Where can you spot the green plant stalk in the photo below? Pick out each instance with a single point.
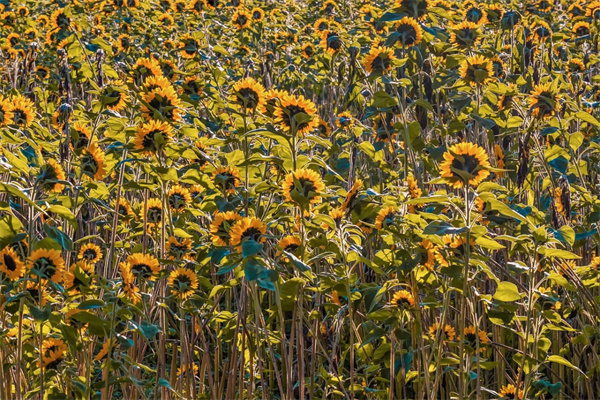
(465, 296)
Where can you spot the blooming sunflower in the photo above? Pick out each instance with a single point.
(351, 196)
(576, 10)
(90, 253)
(189, 46)
(78, 276)
(465, 34)
(290, 244)
(11, 265)
(151, 137)
(410, 32)
(227, 178)
(60, 19)
(179, 249)
(510, 392)
(165, 20)
(323, 128)
(448, 331)
(124, 209)
(465, 163)
(308, 50)
(183, 283)
(241, 19)
(123, 43)
(475, 14)
(153, 213)
(331, 42)
(47, 264)
(6, 114)
(379, 60)
(221, 225)
(541, 31)
(272, 99)
(53, 352)
(38, 291)
(11, 43)
(193, 86)
(593, 10)
(145, 266)
(403, 299)
(290, 107)
(417, 9)
(163, 101)
(471, 336)
(131, 291)
(257, 14)
(581, 29)
(303, 186)
(543, 101)
(22, 110)
(248, 94)
(50, 174)
(93, 162)
(344, 120)
(179, 198)
(142, 69)
(114, 96)
(476, 70)
(247, 228)
(385, 216)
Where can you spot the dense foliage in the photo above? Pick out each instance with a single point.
(299, 199)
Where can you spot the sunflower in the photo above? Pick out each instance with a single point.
(510, 392)
(379, 60)
(575, 66)
(152, 137)
(196, 6)
(351, 196)
(417, 9)
(53, 352)
(47, 264)
(403, 299)
(153, 213)
(272, 99)
(322, 24)
(50, 174)
(471, 336)
(448, 331)
(257, 14)
(38, 291)
(114, 96)
(331, 42)
(337, 214)
(227, 178)
(385, 217)
(541, 31)
(78, 276)
(163, 101)
(189, 46)
(42, 20)
(543, 101)
(581, 29)
(179, 249)
(142, 69)
(465, 34)
(124, 209)
(344, 120)
(22, 110)
(80, 135)
(156, 82)
(90, 253)
(290, 107)
(499, 154)
(183, 283)
(221, 225)
(12, 42)
(123, 43)
(132, 292)
(93, 162)
(476, 15)
(329, 6)
(323, 128)
(248, 94)
(241, 19)
(290, 244)
(145, 266)
(193, 86)
(410, 32)
(60, 19)
(165, 20)
(465, 163)
(6, 114)
(593, 10)
(247, 228)
(544, 6)
(476, 70)
(308, 50)
(11, 265)
(303, 186)
(179, 198)
(368, 12)
(576, 10)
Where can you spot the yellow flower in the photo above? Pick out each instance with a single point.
(410, 32)
(90, 253)
(465, 34)
(403, 299)
(221, 225)
(93, 162)
(249, 94)
(464, 163)
(179, 198)
(290, 106)
(53, 351)
(247, 228)
(379, 60)
(47, 264)
(11, 265)
(384, 217)
(142, 69)
(510, 392)
(183, 283)
(227, 178)
(72, 282)
(303, 186)
(145, 266)
(152, 136)
(476, 70)
(241, 19)
(163, 101)
(22, 110)
(448, 331)
(290, 244)
(132, 292)
(543, 101)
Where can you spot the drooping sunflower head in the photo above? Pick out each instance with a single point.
(164, 102)
(288, 114)
(379, 60)
(410, 32)
(576, 10)
(144, 266)
(416, 9)
(130, 289)
(11, 266)
(123, 209)
(153, 213)
(352, 195)
(221, 225)
(152, 137)
(465, 35)
(403, 299)
(183, 283)
(227, 178)
(247, 228)
(593, 10)
(581, 29)
(248, 94)
(575, 66)
(241, 19)
(541, 31)
(53, 352)
(90, 253)
(23, 110)
(543, 101)
(476, 70)
(47, 264)
(303, 187)
(331, 42)
(179, 198)
(385, 217)
(93, 162)
(142, 69)
(79, 276)
(465, 163)
(80, 136)
(50, 174)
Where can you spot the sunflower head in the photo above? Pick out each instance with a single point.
(511, 392)
(331, 42)
(179, 198)
(303, 187)
(90, 253)
(416, 9)
(144, 266)
(183, 283)
(227, 178)
(47, 264)
(448, 331)
(241, 19)
(152, 137)
(142, 69)
(53, 352)
(93, 162)
(220, 227)
(544, 101)
(409, 32)
(289, 243)
(179, 249)
(465, 163)
(476, 70)
(403, 299)
(247, 228)
(379, 60)
(22, 110)
(249, 94)
(80, 136)
(295, 113)
(11, 266)
(385, 217)
(162, 102)
(465, 35)
(79, 276)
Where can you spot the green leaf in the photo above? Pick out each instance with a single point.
(507, 292)
(560, 360)
(91, 304)
(382, 99)
(568, 234)
(251, 247)
(59, 236)
(567, 255)
(582, 115)
(488, 243)
(65, 213)
(10, 226)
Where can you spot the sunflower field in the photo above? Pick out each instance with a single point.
(299, 199)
